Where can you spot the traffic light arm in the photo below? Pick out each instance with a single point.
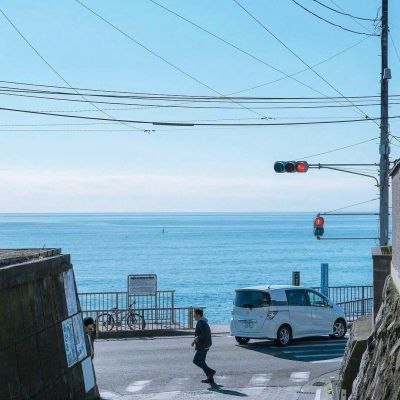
(319, 166)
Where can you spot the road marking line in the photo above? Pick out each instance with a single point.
(320, 344)
(320, 355)
(299, 377)
(166, 395)
(339, 359)
(259, 379)
(309, 351)
(137, 386)
(318, 394)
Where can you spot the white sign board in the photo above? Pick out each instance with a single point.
(88, 375)
(69, 342)
(142, 285)
(79, 336)
(70, 293)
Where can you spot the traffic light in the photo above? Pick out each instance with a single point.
(318, 226)
(291, 166)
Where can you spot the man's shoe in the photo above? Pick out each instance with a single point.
(208, 380)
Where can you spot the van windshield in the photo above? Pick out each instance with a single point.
(252, 299)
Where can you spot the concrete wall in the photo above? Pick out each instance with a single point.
(43, 349)
(395, 268)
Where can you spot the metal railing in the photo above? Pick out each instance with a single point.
(355, 301)
(109, 300)
(159, 311)
(356, 308)
(340, 294)
(143, 319)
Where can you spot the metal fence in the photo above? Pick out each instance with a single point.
(112, 310)
(356, 308)
(143, 319)
(109, 300)
(355, 301)
(118, 311)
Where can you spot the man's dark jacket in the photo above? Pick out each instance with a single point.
(203, 333)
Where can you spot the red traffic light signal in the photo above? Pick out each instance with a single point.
(318, 222)
(318, 226)
(301, 166)
(290, 166)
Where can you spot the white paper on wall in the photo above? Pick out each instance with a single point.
(69, 342)
(70, 293)
(88, 375)
(79, 336)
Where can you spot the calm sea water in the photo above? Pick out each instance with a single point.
(203, 256)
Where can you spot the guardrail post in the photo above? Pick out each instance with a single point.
(173, 315)
(362, 301)
(190, 317)
(324, 279)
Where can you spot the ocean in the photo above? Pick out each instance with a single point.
(202, 256)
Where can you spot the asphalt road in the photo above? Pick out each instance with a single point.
(162, 369)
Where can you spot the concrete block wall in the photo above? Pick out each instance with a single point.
(40, 358)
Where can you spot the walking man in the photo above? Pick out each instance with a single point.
(202, 342)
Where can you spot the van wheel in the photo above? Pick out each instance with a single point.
(339, 329)
(242, 340)
(283, 335)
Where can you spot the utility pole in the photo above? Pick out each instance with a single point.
(384, 148)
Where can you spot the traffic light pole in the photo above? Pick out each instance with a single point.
(384, 148)
(335, 168)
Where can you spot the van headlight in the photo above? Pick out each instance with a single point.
(271, 314)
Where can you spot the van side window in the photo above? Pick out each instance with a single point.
(316, 300)
(252, 299)
(297, 297)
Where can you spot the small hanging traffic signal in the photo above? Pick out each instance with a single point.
(290, 166)
(318, 226)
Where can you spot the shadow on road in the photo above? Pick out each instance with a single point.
(219, 388)
(308, 349)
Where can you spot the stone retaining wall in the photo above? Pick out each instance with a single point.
(379, 372)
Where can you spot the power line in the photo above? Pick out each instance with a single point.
(394, 46)
(299, 58)
(332, 23)
(241, 50)
(337, 149)
(344, 13)
(355, 19)
(167, 96)
(131, 38)
(352, 205)
(48, 64)
(315, 105)
(191, 124)
(305, 69)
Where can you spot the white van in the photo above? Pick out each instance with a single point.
(283, 313)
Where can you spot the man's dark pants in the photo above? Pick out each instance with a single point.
(200, 360)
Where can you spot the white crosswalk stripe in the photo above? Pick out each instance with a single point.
(137, 386)
(260, 380)
(106, 395)
(300, 377)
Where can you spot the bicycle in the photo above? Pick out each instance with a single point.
(106, 321)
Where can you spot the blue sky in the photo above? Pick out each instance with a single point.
(44, 169)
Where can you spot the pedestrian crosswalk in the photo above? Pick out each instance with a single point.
(250, 386)
(322, 351)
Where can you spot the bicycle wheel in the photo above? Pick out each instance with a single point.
(105, 322)
(135, 322)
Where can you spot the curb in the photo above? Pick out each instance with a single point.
(324, 386)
